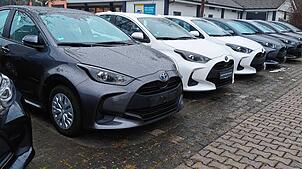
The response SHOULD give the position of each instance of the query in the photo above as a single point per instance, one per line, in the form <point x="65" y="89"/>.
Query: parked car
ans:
<point x="275" y="49"/>
<point x="16" y="149"/>
<point x="85" y="71"/>
<point x="284" y="30"/>
<point x="248" y="54"/>
<point x="289" y="26"/>
<point x="203" y="64"/>
<point x="294" y="45"/>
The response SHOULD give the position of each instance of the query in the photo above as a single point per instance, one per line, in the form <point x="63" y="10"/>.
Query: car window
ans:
<point x="164" y="29"/>
<point x="3" y="17"/>
<point x="82" y="29"/>
<point x="126" y="25"/>
<point x="108" y="18"/>
<point x="238" y="26"/>
<point x="183" y="24"/>
<point x="223" y="26"/>
<point x="22" y="25"/>
<point x="210" y="28"/>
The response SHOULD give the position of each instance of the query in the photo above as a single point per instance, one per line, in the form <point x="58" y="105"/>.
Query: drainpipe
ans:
<point x="166" y="7"/>
<point x="202" y="5"/>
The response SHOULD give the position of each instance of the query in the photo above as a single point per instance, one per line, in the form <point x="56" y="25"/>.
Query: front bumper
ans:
<point x="294" y="52"/>
<point x="244" y="62"/>
<point x="143" y="101"/>
<point x="17" y="127"/>
<point x="275" y="56"/>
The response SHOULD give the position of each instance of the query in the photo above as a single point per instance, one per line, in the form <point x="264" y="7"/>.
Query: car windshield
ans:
<point x="240" y="27"/>
<point x="279" y="28"/>
<point x="289" y="26"/>
<point x="210" y="28"/>
<point x="164" y="29"/>
<point x="82" y="29"/>
<point x="264" y="28"/>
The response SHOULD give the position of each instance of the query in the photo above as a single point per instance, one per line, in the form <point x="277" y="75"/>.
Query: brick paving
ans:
<point x="270" y="138"/>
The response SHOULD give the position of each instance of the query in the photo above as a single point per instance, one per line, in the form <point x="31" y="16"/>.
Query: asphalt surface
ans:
<point x="170" y="142"/>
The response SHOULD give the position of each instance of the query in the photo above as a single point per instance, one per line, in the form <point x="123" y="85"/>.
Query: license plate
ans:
<point x="226" y="74"/>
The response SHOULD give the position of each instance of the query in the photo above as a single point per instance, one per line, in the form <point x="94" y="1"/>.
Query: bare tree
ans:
<point x="297" y="15"/>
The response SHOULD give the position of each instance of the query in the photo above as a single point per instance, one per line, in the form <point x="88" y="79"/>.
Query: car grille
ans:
<point x="159" y="86"/>
<point x="258" y="61"/>
<point x="150" y="113"/>
<point x="214" y="75"/>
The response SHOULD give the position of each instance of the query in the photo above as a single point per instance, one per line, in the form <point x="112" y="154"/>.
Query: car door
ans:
<point x="3" y="19"/>
<point x="6" y="152"/>
<point x="21" y="63"/>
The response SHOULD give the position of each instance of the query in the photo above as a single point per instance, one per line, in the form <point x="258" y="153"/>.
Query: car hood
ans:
<point x="277" y="35"/>
<point x="237" y="40"/>
<point x="132" y="60"/>
<point x="294" y="35"/>
<point x="199" y="46"/>
<point x="265" y="38"/>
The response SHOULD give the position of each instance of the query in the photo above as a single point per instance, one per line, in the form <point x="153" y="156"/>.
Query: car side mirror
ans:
<point x="195" y="33"/>
<point x="231" y="32"/>
<point x="139" y="36"/>
<point x="32" y="41"/>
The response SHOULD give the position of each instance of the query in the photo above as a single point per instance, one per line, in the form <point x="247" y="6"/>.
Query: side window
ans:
<point x="3" y="17"/>
<point x="126" y="25"/>
<point x="22" y="25"/>
<point x="108" y="18"/>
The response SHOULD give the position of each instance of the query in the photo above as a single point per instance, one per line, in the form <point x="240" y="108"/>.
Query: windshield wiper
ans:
<point x="74" y="44"/>
<point x="249" y="33"/>
<point x="175" y="38"/>
<point x="114" y="43"/>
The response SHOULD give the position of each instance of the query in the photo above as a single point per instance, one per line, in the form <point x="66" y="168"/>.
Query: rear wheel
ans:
<point x="64" y="111"/>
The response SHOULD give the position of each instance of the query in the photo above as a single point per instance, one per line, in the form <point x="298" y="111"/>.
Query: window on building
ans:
<point x="234" y="11"/>
<point x="210" y="16"/>
<point x="212" y="8"/>
<point x="176" y="13"/>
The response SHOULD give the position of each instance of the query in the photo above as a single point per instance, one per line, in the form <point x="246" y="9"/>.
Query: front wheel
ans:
<point x="65" y="111"/>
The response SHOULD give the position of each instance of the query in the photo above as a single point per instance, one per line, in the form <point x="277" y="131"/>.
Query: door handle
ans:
<point x="4" y="49"/>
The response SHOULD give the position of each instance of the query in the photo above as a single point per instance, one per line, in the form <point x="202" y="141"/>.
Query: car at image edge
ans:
<point x="89" y="74"/>
<point x="16" y="147"/>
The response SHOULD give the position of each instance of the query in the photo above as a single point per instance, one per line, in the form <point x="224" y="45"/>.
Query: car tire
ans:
<point x="64" y="105"/>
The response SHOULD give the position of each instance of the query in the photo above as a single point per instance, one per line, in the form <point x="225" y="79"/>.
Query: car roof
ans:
<point x="43" y="10"/>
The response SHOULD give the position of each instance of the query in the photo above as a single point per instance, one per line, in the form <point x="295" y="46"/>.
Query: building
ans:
<point x="229" y="9"/>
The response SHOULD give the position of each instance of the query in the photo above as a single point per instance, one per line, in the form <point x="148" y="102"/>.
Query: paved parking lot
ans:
<point x="253" y="123"/>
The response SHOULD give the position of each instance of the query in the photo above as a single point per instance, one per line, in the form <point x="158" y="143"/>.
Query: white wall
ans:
<point x="228" y="14"/>
<point x="215" y="12"/>
<point x="159" y="5"/>
<point x="185" y="9"/>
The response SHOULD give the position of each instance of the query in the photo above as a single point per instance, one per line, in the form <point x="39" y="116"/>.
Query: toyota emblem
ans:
<point x="226" y="58"/>
<point x="164" y="77"/>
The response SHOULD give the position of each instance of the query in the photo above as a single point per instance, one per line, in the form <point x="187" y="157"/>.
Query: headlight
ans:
<point x="240" y="49"/>
<point x="106" y="76"/>
<point x="267" y="44"/>
<point x="7" y="93"/>
<point x="288" y="41"/>
<point x="193" y="57"/>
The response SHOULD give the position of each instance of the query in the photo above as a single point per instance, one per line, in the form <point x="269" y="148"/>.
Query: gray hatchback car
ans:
<point x="84" y="71"/>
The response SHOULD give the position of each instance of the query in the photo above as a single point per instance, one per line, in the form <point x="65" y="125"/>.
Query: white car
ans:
<point x="203" y="65"/>
<point x="248" y="55"/>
